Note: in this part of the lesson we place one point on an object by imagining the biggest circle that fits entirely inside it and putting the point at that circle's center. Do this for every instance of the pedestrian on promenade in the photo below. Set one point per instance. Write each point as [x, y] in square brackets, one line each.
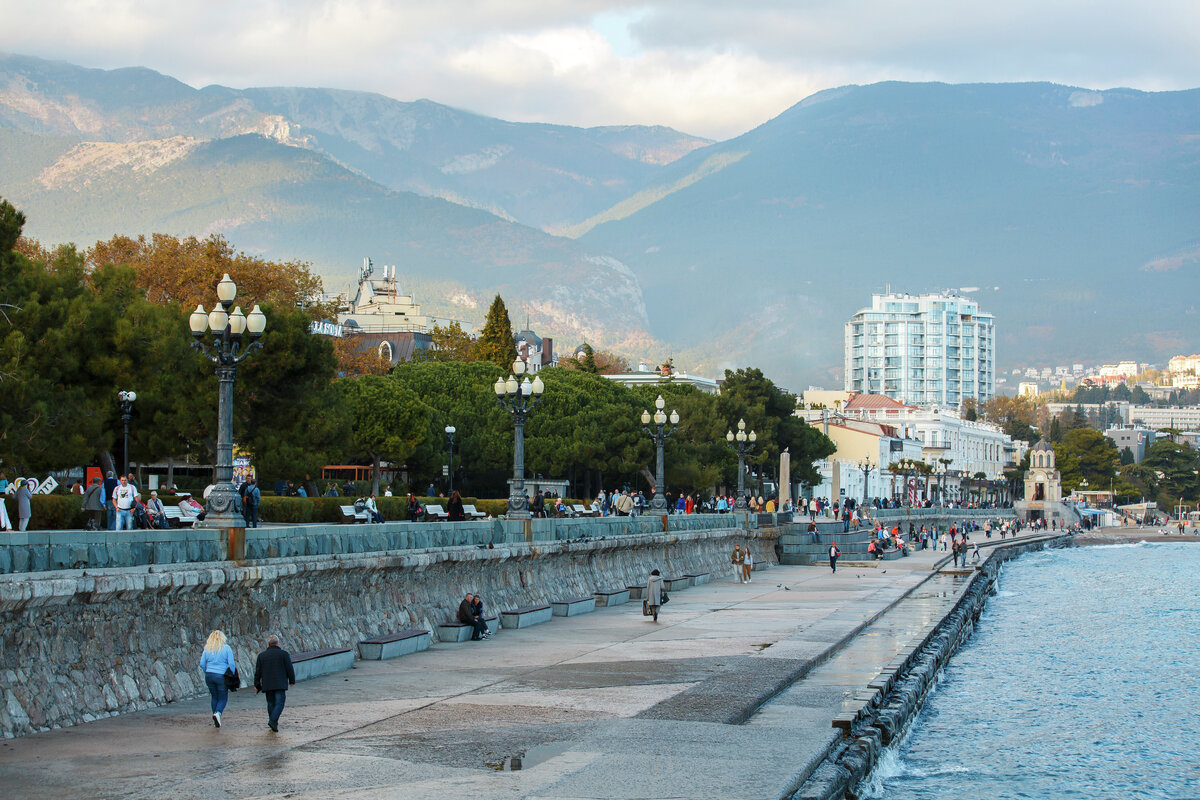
[250, 503]
[737, 560]
[373, 509]
[956, 550]
[24, 498]
[273, 674]
[5, 522]
[833, 556]
[454, 509]
[215, 661]
[945, 541]
[747, 565]
[123, 498]
[654, 592]
[467, 616]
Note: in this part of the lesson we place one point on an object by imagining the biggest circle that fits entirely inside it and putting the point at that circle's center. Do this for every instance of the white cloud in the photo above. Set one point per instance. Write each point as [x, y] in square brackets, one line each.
[707, 66]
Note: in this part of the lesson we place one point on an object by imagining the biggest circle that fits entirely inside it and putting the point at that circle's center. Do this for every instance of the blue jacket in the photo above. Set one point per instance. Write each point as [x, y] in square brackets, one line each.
[218, 662]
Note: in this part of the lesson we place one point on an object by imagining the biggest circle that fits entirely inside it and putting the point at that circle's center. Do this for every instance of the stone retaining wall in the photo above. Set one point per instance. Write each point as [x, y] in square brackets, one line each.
[76, 645]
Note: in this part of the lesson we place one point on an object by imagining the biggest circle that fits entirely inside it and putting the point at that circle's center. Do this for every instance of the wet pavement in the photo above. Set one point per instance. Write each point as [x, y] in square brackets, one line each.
[604, 705]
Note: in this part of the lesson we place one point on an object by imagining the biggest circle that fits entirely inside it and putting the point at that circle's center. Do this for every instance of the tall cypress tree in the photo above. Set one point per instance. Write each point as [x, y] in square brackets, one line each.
[496, 343]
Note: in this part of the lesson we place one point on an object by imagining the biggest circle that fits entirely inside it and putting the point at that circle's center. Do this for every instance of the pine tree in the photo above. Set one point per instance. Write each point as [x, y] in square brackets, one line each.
[496, 343]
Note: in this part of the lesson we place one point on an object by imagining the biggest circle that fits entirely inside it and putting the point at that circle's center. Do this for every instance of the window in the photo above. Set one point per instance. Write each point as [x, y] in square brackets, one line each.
[385, 350]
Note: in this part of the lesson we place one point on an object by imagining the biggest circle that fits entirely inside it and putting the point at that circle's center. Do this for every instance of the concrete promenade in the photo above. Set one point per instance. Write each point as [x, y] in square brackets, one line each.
[604, 705]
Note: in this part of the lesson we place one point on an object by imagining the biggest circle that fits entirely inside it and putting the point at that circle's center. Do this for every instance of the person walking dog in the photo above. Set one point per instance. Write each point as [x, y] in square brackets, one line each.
[273, 674]
[215, 661]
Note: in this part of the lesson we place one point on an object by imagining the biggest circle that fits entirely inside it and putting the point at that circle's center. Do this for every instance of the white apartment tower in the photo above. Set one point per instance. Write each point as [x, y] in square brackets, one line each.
[931, 349]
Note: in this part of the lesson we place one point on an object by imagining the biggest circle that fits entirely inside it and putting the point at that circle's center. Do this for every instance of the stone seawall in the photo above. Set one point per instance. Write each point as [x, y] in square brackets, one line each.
[908, 680]
[76, 645]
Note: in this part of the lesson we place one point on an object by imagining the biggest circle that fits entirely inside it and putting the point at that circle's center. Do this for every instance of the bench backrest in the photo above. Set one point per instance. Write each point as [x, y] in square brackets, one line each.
[434, 511]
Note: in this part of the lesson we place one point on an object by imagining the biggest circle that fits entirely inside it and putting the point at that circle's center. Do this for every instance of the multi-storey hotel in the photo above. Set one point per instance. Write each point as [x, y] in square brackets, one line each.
[926, 350]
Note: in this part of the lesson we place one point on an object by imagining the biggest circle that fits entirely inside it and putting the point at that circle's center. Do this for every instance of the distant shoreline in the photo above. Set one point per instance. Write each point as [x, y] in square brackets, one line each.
[1124, 535]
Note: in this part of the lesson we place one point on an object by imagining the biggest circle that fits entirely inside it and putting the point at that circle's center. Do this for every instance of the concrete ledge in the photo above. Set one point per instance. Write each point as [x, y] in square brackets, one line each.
[524, 617]
[675, 584]
[699, 578]
[612, 597]
[637, 592]
[397, 644]
[573, 607]
[759, 566]
[322, 662]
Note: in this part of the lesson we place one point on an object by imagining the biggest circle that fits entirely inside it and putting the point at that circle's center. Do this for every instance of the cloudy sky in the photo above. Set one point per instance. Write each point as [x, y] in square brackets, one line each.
[709, 67]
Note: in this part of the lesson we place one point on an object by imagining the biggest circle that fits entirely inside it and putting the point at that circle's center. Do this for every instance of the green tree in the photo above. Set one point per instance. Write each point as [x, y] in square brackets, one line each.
[388, 420]
[451, 343]
[1170, 472]
[496, 342]
[1085, 453]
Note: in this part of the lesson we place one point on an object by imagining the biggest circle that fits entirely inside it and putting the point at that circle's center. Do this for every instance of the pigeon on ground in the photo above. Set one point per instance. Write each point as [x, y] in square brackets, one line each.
[786, 589]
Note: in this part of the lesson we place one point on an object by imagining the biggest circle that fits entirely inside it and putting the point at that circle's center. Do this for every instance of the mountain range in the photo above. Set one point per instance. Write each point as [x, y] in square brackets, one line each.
[1073, 215]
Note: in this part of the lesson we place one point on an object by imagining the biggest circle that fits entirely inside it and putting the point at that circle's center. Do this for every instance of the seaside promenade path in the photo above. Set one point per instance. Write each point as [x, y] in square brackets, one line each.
[604, 705]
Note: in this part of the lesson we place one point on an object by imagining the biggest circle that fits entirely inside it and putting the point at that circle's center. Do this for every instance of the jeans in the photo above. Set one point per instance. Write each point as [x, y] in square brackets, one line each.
[217, 691]
[124, 520]
[251, 515]
[275, 701]
[480, 628]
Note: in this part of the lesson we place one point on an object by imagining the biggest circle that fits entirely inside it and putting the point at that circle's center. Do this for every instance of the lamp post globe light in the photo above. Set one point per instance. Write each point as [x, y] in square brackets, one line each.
[233, 336]
[518, 398]
[742, 443]
[126, 400]
[659, 433]
[450, 441]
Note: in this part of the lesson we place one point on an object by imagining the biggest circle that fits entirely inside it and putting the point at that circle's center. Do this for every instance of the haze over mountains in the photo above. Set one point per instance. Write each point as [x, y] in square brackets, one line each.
[1075, 212]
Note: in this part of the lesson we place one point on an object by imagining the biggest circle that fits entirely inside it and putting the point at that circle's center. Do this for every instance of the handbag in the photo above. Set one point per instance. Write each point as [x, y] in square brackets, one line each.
[645, 608]
[663, 598]
[233, 681]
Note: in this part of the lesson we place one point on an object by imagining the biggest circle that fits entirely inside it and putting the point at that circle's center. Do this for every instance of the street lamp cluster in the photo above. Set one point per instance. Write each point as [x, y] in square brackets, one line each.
[126, 400]
[234, 336]
[518, 397]
[658, 503]
[742, 443]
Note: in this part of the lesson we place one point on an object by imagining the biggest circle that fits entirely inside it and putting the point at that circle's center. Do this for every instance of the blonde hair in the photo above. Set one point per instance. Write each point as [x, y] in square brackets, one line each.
[216, 640]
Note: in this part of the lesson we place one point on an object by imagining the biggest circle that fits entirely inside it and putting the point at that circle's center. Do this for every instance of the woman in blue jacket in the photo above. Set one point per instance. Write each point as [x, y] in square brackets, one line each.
[216, 658]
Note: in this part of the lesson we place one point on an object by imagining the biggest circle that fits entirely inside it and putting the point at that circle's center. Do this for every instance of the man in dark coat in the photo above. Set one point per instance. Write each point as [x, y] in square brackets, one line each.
[273, 674]
[467, 615]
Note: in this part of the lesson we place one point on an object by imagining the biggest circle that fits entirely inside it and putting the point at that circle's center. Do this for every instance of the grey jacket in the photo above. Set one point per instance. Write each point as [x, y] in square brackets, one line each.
[92, 500]
[23, 495]
[654, 590]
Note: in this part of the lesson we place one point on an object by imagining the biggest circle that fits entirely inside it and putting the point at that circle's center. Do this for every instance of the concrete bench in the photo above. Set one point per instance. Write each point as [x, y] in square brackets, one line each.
[760, 565]
[611, 597]
[524, 617]
[698, 578]
[461, 632]
[637, 592]
[573, 607]
[675, 584]
[396, 644]
[350, 515]
[470, 513]
[322, 662]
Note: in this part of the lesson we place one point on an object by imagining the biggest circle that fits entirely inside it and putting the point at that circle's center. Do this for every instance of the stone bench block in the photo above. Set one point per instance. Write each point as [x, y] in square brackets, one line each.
[524, 617]
[397, 644]
[675, 584]
[699, 578]
[637, 592]
[460, 632]
[612, 597]
[760, 565]
[573, 607]
[322, 662]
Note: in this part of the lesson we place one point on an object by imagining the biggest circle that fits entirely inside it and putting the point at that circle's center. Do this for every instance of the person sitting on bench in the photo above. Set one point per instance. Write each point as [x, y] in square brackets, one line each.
[468, 615]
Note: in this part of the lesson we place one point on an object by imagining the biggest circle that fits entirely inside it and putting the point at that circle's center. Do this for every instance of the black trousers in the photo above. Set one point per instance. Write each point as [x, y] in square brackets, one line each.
[480, 628]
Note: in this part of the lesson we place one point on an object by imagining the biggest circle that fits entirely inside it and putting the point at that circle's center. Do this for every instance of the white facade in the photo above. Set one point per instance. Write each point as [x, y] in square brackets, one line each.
[1184, 418]
[924, 350]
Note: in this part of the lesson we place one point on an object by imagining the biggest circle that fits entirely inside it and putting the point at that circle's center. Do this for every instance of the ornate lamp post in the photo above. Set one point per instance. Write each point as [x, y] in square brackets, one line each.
[450, 442]
[126, 400]
[742, 443]
[866, 466]
[234, 336]
[518, 397]
[658, 503]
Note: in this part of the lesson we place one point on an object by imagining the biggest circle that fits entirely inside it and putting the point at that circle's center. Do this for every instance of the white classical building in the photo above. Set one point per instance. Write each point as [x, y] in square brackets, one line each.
[922, 349]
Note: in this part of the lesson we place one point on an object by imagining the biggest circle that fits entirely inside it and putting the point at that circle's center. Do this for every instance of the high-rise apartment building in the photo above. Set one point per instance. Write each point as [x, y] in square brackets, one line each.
[925, 350]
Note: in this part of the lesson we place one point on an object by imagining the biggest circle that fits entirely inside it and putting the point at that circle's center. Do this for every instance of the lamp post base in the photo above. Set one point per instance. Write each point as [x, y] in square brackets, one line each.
[739, 505]
[518, 503]
[658, 505]
[221, 508]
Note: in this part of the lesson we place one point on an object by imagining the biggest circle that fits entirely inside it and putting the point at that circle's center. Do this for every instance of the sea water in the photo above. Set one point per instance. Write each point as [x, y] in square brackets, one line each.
[1082, 681]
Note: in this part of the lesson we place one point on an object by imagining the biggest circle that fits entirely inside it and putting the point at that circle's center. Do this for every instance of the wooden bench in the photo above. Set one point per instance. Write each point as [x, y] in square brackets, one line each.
[174, 516]
[435, 513]
[393, 645]
[611, 597]
[461, 631]
[524, 617]
[584, 511]
[675, 584]
[698, 577]
[470, 513]
[637, 592]
[350, 515]
[573, 607]
[322, 662]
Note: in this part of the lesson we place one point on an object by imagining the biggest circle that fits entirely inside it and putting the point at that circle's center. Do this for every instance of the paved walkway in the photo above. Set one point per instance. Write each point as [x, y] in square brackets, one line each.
[605, 705]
